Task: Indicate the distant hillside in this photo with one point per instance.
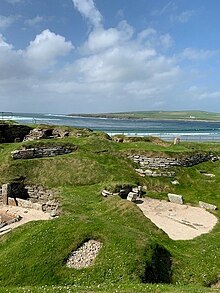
(171, 115)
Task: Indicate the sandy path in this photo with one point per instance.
(27, 215)
(179, 222)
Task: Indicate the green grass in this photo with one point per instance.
(164, 115)
(32, 257)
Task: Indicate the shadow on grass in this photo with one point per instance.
(159, 271)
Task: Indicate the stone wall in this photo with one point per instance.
(41, 152)
(11, 133)
(166, 163)
(36, 197)
(45, 133)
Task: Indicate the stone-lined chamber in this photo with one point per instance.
(159, 166)
(16, 193)
(13, 132)
(42, 152)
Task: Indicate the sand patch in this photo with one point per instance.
(179, 222)
(27, 215)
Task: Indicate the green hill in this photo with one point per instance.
(163, 115)
(135, 251)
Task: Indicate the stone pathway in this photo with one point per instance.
(85, 255)
(179, 222)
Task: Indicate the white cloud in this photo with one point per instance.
(46, 48)
(183, 17)
(88, 10)
(192, 54)
(14, 1)
(4, 44)
(34, 21)
(153, 39)
(100, 38)
(116, 69)
(6, 21)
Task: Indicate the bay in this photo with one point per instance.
(166, 129)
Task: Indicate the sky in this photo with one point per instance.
(96, 56)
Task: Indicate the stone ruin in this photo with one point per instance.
(16, 193)
(45, 133)
(7, 218)
(160, 166)
(125, 191)
(42, 152)
(13, 133)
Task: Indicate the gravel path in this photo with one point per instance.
(179, 222)
(85, 255)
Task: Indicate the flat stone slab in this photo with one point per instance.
(207, 206)
(175, 198)
(132, 196)
(179, 222)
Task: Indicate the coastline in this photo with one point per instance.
(142, 119)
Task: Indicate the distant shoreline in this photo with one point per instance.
(141, 118)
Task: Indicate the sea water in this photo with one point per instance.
(165, 129)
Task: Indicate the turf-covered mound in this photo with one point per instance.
(134, 251)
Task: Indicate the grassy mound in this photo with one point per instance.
(135, 252)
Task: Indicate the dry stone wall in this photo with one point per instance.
(11, 133)
(41, 152)
(166, 163)
(36, 197)
(45, 133)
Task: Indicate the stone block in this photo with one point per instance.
(132, 196)
(106, 193)
(6, 192)
(175, 198)
(175, 182)
(12, 202)
(207, 206)
(37, 206)
(24, 203)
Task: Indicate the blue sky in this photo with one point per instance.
(89, 56)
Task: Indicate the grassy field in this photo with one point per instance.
(158, 115)
(32, 257)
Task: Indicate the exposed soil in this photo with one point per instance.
(179, 222)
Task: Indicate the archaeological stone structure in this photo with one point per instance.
(16, 193)
(41, 152)
(13, 132)
(45, 133)
(159, 166)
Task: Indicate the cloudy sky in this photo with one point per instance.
(89, 56)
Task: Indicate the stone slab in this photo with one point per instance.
(207, 206)
(132, 196)
(175, 198)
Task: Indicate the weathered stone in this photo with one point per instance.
(175, 198)
(6, 190)
(106, 193)
(165, 163)
(24, 203)
(176, 140)
(175, 182)
(11, 202)
(148, 172)
(85, 255)
(41, 152)
(207, 206)
(132, 196)
(209, 175)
